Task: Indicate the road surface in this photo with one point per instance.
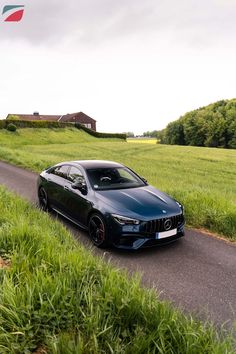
(196, 273)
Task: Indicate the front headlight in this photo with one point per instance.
(181, 206)
(123, 220)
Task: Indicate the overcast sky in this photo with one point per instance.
(133, 65)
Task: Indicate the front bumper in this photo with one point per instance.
(133, 237)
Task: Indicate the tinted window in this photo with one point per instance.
(61, 171)
(113, 178)
(75, 174)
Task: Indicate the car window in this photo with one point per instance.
(75, 174)
(61, 171)
(113, 178)
(125, 175)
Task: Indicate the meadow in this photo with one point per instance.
(203, 179)
(142, 140)
(57, 298)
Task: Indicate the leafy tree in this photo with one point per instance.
(194, 129)
(216, 131)
(129, 134)
(213, 125)
(152, 134)
(174, 134)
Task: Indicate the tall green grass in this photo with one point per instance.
(203, 179)
(58, 296)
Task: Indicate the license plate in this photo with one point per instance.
(164, 234)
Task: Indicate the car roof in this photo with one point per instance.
(88, 164)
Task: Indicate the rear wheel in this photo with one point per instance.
(97, 230)
(43, 200)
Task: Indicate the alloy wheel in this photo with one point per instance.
(43, 199)
(97, 230)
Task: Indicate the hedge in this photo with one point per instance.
(100, 135)
(49, 124)
(36, 124)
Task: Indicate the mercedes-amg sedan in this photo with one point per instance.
(112, 202)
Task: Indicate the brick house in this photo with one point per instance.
(78, 117)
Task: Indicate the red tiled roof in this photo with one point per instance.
(79, 117)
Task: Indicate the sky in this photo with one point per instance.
(132, 65)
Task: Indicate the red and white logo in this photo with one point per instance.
(13, 13)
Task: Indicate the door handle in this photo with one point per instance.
(66, 188)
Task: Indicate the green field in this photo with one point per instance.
(55, 295)
(142, 140)
(203, 179)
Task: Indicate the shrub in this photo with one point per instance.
(11, 127)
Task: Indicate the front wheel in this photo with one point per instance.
(97, 230)
(43, 200)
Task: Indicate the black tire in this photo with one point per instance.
(98, 230)
(43, 200)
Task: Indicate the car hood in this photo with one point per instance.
(143, 202)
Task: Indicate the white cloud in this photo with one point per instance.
(131, 65)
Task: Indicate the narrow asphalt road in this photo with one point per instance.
(196, 273)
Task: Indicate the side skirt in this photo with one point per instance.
(70, 219)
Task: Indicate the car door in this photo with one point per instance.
(77, 201)
(55, 186)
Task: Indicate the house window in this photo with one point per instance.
(88, 125)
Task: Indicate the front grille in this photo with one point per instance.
(158, 224)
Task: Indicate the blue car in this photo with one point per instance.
(112, 202)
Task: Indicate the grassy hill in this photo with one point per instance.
(43, 136)
(202, 178)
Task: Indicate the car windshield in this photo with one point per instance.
(113, 178)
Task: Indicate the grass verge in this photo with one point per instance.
(203, 179)
(56, 296)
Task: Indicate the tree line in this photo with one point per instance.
(212, 126)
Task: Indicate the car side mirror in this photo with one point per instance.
(80, 185)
